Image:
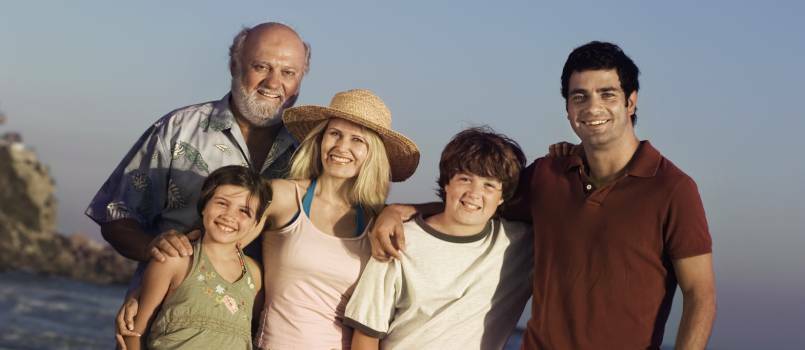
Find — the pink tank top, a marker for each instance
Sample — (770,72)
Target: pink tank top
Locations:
(309,277)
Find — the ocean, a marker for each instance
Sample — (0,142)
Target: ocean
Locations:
(38,312)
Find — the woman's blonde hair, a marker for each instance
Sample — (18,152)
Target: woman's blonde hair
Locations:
(369,189)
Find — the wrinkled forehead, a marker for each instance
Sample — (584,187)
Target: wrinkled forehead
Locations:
(275,42)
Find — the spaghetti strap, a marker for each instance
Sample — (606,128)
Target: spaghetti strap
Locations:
(307,200)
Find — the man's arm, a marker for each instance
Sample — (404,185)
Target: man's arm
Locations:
(129,239)
(697,282)
(361,341)
(387,237)
(518,208)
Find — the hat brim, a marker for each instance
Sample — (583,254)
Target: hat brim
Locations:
(403,153)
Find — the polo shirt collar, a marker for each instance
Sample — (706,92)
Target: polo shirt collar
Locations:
(644,163)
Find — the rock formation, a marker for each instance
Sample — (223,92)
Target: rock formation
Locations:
(28,237)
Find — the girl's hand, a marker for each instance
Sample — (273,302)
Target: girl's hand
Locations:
(124,322)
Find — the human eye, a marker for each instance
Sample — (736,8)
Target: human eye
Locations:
(288,73)
(259,67)
(246,212)
(577,98)
(358,139)
(608,95)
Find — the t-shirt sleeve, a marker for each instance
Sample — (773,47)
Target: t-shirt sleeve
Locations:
(686,233)
(518,207)
(136,189)
(372,305)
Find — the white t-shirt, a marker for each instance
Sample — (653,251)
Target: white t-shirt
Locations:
(447,292)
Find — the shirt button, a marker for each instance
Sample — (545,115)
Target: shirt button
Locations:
(588,187)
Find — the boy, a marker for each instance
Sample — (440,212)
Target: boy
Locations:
(465,276)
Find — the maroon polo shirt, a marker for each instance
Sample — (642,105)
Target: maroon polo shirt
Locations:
(603,277)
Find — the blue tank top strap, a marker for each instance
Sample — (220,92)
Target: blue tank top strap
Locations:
(307,199)
(359,220)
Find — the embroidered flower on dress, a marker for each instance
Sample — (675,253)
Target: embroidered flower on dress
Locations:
(200,277)
(230,304)
(219,289)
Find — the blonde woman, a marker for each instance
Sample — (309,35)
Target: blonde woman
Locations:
(316,245)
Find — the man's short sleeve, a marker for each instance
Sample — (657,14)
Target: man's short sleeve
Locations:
(136,189)
(686,232)
(371,307)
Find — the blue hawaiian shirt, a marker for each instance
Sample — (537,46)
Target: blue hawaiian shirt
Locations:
(159,180)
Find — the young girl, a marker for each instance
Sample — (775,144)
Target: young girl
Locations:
(207,299)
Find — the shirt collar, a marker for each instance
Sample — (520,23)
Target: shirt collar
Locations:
(221,117)
(282,143)
(644,163)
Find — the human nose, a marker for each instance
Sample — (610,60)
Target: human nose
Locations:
(231,213)
(273,80)
(476,188)
(342,143)
(595,105)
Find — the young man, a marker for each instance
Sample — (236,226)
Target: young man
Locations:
(465,277)
(616,227)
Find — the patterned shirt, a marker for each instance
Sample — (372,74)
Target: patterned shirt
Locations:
(159,180)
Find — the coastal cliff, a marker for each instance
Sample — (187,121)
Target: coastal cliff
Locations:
(28,237)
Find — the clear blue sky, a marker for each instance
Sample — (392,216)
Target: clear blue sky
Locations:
(721,96)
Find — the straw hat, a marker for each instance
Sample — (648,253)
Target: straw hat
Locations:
(364,108)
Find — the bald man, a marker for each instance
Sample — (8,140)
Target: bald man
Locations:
(150,198)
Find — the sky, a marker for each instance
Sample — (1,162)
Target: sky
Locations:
(721,96)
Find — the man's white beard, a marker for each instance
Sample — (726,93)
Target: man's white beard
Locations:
(256,112)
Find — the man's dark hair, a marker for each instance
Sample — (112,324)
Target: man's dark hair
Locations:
(482,152)
(240,176)
(597,55)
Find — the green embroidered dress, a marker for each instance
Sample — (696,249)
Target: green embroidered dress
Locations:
(205,311)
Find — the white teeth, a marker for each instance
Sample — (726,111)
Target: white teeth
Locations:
(226,228)
(338,159)
(268,93)
(471,206)
(597,122)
